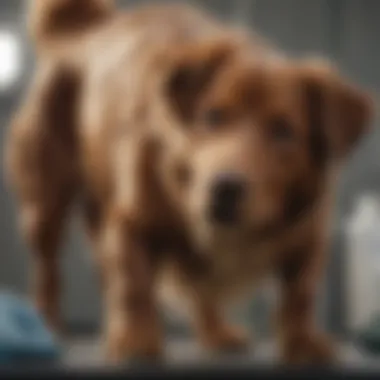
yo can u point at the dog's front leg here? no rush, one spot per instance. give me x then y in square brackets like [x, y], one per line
[132, 326]
[300, 341]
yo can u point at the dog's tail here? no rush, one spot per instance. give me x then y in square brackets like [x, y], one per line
[51, 20]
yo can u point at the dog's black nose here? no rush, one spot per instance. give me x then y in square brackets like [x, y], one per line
[227, 193]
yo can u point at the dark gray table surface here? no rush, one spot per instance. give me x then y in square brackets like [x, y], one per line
[88, 353]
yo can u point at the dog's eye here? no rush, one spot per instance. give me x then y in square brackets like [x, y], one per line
[215, 117]
[281, 130]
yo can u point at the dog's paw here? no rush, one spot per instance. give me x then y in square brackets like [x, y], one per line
[129, 348]
[227, 339]
[117, 354]
[316, 349]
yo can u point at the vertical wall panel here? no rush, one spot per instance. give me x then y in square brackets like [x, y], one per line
[359, 55]
[295, 25]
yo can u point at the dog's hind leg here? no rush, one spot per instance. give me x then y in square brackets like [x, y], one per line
[40, 166]
[42, 221]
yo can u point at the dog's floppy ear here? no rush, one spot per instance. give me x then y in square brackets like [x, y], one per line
[191, 71]
[338, 111]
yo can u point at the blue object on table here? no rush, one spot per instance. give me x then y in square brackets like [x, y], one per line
[23, 333]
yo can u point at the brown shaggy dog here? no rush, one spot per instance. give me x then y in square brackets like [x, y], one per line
[199, 156]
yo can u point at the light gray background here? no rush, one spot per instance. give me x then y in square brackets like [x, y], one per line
[345, 30]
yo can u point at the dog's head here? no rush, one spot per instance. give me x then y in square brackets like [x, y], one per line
[261, 133]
